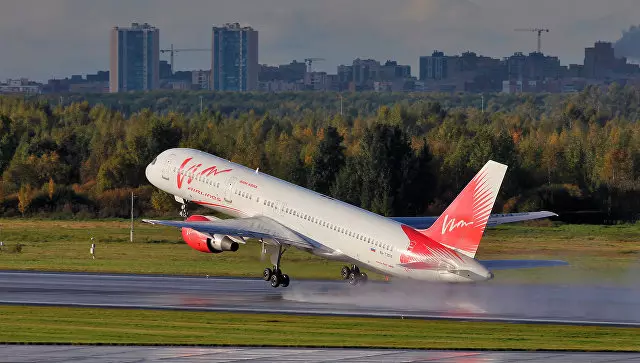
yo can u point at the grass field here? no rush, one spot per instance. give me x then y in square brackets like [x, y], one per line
[113, 326]
[606, 254]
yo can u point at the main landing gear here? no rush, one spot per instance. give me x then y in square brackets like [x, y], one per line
[353, 275]
[275, 275]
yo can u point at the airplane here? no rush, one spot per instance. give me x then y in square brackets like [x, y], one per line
[282, 215]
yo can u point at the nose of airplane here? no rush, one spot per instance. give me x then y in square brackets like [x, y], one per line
[149, 168]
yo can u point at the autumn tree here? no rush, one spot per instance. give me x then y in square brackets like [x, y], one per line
[24, 198]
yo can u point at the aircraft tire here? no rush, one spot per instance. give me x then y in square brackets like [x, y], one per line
[285, 280]
[363, 277]
[275, 280]
[266, 274]
[345, 272]
[353, 278]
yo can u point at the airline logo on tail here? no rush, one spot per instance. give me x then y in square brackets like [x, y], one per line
[451, 224]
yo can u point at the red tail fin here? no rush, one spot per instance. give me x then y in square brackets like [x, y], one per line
[462, 224]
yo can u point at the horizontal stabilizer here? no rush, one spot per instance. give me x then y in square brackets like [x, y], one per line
[494, 265]
[494, 219]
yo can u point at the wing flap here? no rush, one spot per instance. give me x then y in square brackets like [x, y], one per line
[253, 227]
[494, 265]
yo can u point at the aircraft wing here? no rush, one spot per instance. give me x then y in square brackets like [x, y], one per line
[494, 219]
[494, 265]
[252, 227]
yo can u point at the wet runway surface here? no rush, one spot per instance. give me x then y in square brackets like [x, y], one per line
[618, 306]
[65, 353]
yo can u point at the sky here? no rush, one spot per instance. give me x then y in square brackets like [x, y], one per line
[42, 39]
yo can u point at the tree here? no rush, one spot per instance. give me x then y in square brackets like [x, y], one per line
[376, 174]
[329, 158]
[162, 202]
[51, 188]
[24, 198]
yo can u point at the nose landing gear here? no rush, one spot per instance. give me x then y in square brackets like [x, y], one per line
[183, 210]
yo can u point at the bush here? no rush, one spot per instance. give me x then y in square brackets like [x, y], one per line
[17, 248]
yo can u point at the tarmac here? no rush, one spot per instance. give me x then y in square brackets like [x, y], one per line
[97, 354]
[582, 305]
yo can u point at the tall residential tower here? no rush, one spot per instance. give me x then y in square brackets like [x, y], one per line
[135, 58]
[234, 58]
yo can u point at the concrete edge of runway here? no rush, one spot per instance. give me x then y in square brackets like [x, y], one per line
[319, 346]
[65, 353]
[385, 315]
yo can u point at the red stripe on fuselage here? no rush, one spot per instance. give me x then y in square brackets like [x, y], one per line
[425, 253]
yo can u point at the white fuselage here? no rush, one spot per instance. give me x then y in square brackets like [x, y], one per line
[340, 229]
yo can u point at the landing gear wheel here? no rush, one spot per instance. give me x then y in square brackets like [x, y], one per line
[363, 277]
[275, 280]
[353, 278]
[345, 272]
[266, 274]
[284, 280]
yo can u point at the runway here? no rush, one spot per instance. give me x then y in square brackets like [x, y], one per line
[589, 305]
[67, 353]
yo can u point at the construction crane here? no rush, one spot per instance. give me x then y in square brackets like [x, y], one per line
[172, 51]
[539, 31]
[310, 61]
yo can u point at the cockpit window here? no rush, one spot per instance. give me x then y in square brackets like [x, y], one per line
[154, 161]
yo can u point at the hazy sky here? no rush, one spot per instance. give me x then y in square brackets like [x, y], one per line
[41, 39]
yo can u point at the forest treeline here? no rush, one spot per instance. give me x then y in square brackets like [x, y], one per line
[578, 155]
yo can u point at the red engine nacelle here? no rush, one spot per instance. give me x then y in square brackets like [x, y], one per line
[205, 242]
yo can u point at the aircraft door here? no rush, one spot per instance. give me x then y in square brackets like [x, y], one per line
[231, 186]
[166, 168]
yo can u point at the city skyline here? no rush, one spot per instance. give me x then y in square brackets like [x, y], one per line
[61, 37]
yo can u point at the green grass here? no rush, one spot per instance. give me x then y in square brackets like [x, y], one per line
[115, 326]
[596, 253]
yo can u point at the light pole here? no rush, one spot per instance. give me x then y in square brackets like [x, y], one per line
[200, 104]
[340, 95]
[482, 100]
[131, 234]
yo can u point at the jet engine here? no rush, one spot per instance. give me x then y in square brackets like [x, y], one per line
[207, 243]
